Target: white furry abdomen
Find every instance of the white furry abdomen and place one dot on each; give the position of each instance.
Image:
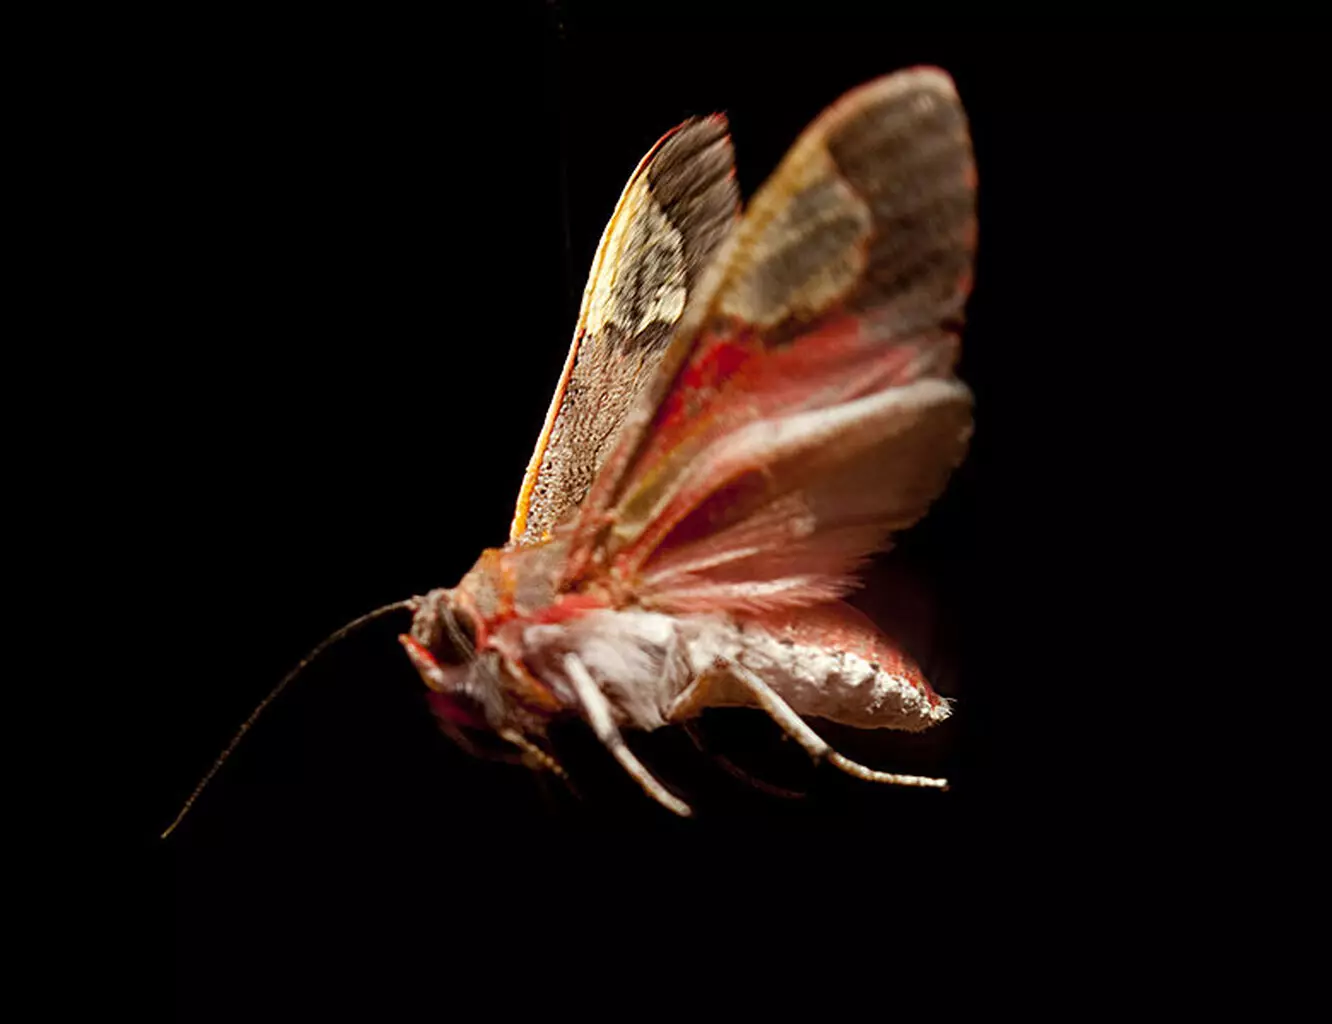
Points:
(816, 680)
(644, 660)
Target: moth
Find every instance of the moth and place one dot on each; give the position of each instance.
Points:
(751, 406)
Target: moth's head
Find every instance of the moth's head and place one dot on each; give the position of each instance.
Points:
(442, 647)
(476, 677)
(444, 629)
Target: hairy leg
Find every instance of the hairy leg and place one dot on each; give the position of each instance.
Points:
(694, 697)
(597, 711)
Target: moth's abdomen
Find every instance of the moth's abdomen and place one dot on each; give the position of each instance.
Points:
(827, 662)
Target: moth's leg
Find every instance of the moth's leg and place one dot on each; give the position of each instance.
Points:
(781, 713)
(535, 757)
(736, 772)
(598, 712)
(540, 761)
(469, 748)
(541, 780)
(704, 692)
(715, 687)
(465, 743)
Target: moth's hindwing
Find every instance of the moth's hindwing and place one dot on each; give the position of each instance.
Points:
(677, 208)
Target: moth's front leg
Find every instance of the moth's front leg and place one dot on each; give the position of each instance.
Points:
(533, 756)
(597, 711)
(730, 673)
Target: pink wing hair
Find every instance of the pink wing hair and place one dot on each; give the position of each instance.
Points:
(806, 408)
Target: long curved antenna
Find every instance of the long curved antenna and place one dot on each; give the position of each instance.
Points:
(338, 634)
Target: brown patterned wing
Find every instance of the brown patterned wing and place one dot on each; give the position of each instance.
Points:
(677, 208)
(806, 407)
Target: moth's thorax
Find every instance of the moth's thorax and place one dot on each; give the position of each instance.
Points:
(517, 581)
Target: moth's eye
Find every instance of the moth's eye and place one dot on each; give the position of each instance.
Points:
(462, 631)
(454, 639)
(448, 633)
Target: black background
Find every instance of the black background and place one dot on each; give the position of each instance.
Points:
(349, 257)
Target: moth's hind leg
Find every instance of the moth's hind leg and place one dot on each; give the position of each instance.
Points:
(736, 772)
(765, 697)
(465, 744)
(597, 711)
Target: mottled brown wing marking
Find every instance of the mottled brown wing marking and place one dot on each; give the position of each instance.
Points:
(924, 235)
(677, 208)
(804, 248)
(872, 211)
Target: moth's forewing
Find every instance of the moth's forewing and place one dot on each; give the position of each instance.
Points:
(805, 408)
(677, 208)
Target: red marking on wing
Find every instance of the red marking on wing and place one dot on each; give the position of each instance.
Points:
(720, 358)
(732, 383)
(732, 377)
